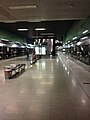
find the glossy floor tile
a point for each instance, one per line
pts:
(50, 89)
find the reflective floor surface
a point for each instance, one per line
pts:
(50, 89)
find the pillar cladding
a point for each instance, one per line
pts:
(51, 47)
(53, 52)
(48, 46)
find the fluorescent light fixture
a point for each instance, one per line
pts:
(22, 7)
(74, 38)
(85, 31)
(40, 28)
(84, 38)
(22, 29)
(5, 39)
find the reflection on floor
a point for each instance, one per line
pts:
(50, 89)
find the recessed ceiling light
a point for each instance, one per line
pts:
(22, 7)
(40, 29)
(22, 29)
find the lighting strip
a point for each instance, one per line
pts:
(84, 38)
(4, 39)
(74, 38)
(85, 31)
(22, 29)
(40, 29)
(22, 7)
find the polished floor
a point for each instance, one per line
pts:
(51, 89)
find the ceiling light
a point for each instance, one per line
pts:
(74, 38)
(22, 29)
(85, 31)
(4, 39)
(22, 7)
(40, 29)
(84, 38)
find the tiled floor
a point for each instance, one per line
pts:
(51, 89)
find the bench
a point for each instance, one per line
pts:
(13, 69)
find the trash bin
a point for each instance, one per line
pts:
(7, 72)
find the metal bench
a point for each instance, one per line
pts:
(13, 69)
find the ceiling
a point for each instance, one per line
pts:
(56, 15)
(53, 29)
(45, 10)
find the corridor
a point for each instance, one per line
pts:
(51, 89)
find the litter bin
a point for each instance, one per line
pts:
(7, 72)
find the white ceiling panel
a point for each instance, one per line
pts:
(46, 9)
(3, 18)
(19, 2)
